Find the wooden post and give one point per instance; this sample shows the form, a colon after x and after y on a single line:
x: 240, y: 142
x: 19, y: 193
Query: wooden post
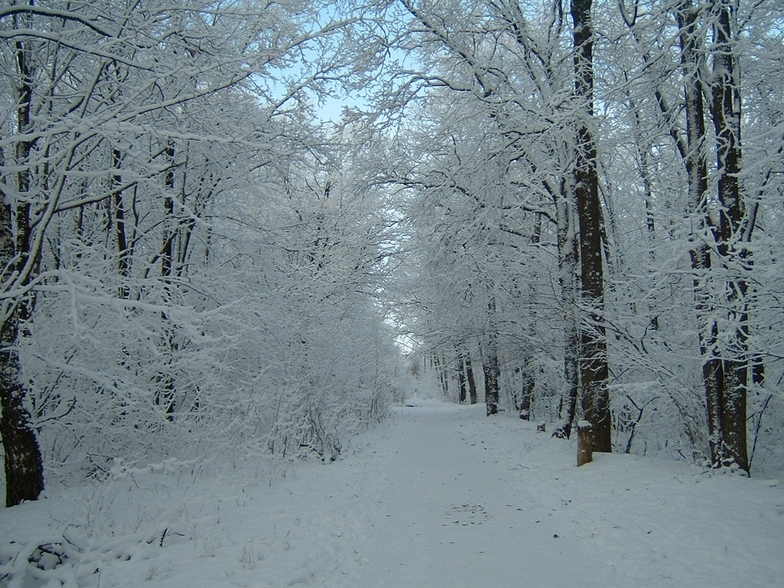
x: 584, y: 443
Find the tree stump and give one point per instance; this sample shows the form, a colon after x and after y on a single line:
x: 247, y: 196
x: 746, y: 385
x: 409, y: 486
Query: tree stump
x: 584, y: 443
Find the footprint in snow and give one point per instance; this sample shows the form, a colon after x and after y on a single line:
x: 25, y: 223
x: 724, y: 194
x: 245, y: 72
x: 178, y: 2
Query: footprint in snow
x: 467, y: 514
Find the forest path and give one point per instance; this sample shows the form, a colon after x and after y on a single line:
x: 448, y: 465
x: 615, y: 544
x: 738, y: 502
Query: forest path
x: 446, y: 497
x: 448, y: 509
x: 436, y: 496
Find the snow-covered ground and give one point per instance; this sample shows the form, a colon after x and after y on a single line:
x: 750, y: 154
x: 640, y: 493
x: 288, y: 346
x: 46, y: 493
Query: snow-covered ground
x: 436, y: 496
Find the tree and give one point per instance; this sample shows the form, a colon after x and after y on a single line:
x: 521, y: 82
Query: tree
x: 725, y: 365
x: 124, y: 126
x: 692, y: 117
x: 23, y: 462
x: 593, y: 344
x: 623, y: 241
x: 513, y: 73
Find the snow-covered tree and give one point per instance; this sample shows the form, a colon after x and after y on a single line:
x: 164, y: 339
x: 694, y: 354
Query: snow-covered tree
x: 137, y: 137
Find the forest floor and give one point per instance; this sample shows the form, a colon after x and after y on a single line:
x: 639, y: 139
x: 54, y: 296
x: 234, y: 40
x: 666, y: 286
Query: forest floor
x: 437, y: 495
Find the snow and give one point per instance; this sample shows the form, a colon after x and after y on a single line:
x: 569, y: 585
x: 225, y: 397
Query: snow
x: 437, y: 495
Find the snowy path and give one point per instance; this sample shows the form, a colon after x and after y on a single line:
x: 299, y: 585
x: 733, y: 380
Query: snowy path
x: 448, y: 515
x: 437, y: 496
x: 444, y: 497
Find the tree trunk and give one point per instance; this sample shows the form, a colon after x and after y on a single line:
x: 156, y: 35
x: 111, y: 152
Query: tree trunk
x: 725, y: 357
x: 165, y: 395
x: 24, y: 474
x: 568, y: 261
x: 593, y: 343
x: 438, y: 365
x: 731, y: 247
x: 697, y: 188
x: 471, y: 379
x: 490, y: 363
x: 461, y: 377
x: 23, y: 464
x: 490, y: 367
x: 527, y: 387
x: 24, y: 478
x: 124, y: 254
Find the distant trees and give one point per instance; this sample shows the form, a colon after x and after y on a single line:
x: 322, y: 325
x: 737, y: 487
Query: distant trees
x: 512, y: 74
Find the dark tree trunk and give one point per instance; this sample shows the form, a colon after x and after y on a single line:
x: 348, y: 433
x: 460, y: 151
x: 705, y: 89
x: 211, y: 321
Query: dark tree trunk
x: 461, y: 377
x: 725, y: 357
x: 490, y: 367
x: 22, y: 462
x: 593, y: 343
x: 24, y: 477
x: 572, y: 377
x: 165, y: 395
x: 490, y: 363
x: 124, y: 255
x: 527, y: 388
x: 471, y: 379
x: 731, y: 247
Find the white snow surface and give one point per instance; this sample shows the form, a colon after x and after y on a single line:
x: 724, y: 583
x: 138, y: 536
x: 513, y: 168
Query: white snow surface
x: 437, y: 495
